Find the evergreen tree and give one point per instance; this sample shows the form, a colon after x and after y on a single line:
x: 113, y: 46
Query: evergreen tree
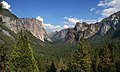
x: 21, y: 56
x: 81, y: 60
x: 61, y: 67
x: 118, y: 66
x: 97, y: 60
x: 3, y: 57
x: 105, y: 59
x: 0, y: 5
x: 62, y: 70
x: 52, y: 68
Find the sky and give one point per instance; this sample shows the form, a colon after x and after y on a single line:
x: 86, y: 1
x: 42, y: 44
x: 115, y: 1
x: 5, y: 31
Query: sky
x: 60, y: 14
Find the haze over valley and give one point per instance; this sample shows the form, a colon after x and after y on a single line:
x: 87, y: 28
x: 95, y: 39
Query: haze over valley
x: 60, y: 36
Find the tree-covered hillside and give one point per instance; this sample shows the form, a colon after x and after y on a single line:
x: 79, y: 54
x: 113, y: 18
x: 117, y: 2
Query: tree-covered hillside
x: 23, y: 52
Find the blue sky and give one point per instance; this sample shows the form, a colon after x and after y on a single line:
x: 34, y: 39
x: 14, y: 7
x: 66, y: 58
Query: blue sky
x: 60, y: 13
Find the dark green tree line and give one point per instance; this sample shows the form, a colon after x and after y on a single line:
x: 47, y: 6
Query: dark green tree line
x: 81, y: 59
x: 21, y: 56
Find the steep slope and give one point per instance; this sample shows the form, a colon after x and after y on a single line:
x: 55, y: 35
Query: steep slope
x: 59, y: 35
x: 13, y: 23
x: 71, y: 35
x: 35, y: 27
x: 7, y: 37
x: 110, y: 24
x: 10, y: 25
x: 106, y: 26
x: 10, y: 20
x: 42, y: 51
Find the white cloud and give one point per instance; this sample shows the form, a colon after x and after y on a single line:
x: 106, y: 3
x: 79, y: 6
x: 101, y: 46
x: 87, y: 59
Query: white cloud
x: 5, y: 5
x: 50, y: 27
x: 102, y: 3
x: 65, y: 26
x: 110, y: 7
x: 71, y: 20
x: 89, y: 21
x: 92, y: 9
x: 39, y: 18
x: 70, y: 23
x: 53, y: 28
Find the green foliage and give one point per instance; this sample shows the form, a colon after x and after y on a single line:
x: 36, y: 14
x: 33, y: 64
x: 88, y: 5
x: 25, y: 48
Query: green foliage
x: 21, y: 56
x: 116, y: 33
x: 105, y: 60
x: 3, y: 57
x: 0, y: 6
x: 97, y: 60
x: 52, y: 68
x: 46, y: 52
x: 118, y: 66
x: 105, y: 20
x: 61, y: 66
x: 81, y: 60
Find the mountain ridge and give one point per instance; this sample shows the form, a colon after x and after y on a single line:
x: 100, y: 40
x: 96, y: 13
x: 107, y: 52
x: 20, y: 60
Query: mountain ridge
x: 15, y: 24
x: 69, y: 35
x: 106, y: 26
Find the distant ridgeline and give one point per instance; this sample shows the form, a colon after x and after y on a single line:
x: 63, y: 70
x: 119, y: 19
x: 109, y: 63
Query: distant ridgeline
x: 108, y: 26
x: 26, y: 47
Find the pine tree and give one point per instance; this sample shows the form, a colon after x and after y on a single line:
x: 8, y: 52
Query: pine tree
x: 97, y: 60
x: 0, y: 5
x: 81, y: 60
x: 21, y: 56
x: 105, y: 59
x: 52, y: 68
x: 3, y: 57
x: 61, y: 67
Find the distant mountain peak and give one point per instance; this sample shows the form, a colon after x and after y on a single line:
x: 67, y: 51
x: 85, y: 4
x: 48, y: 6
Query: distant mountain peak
x: 31, y: 24
x: 107, y: 25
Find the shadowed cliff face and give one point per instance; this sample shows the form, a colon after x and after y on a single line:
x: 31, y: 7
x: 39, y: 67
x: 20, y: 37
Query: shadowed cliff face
x: 58, y: 35
x: 106, y: 26
x: 82, y: 30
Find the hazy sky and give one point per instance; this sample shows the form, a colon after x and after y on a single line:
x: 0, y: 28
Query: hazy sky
x: 59, y: 14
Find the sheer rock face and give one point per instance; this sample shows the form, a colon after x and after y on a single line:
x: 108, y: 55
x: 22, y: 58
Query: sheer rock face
x: 58, y: 35
x: 12, y: 22
x: 82, y: 30
x: 81, y: 26
x: 106, y: 26
x: 30, y: 24
x: 35, y: 27
x: 91, y: 30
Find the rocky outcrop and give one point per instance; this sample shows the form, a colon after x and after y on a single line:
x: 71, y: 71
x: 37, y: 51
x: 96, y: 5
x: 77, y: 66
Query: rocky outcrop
x: 10, y: 20
x: 35, y: 27
x: 59, y: 35
x: 106, y: 26
x: 91, y: 30
x: 6, y: 33
x: 30, y: 24
x: 81, y: 26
